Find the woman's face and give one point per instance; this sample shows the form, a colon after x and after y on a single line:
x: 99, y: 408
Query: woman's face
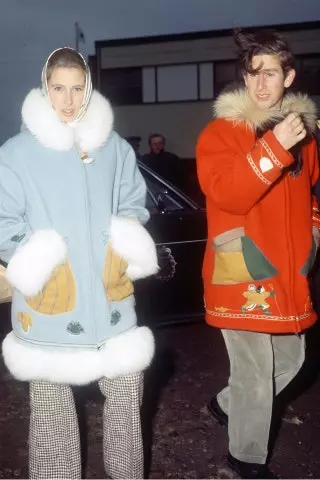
x: 66, y: 88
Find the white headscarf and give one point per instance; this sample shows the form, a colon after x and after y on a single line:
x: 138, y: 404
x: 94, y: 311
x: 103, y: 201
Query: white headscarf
x: 88, y: 84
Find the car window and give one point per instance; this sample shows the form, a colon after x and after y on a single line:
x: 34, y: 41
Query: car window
x: 151, y: 203
x: 183, y: 175
x: 160, y: 197
x: 169, y: 201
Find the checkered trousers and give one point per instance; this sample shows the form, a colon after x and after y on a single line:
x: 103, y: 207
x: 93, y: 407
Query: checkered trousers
x: 54, y: 444
x: 122, y: 439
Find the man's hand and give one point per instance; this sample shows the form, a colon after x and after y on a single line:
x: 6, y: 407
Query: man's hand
x: 290, y: 131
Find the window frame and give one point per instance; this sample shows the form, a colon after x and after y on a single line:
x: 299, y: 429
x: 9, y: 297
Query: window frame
x: 216, y: 87
x: 302, y: 85
x: 115, y: 101
x: 156, y: 67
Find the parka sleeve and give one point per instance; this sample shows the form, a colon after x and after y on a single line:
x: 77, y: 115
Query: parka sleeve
x: 234, y: 180
x: 313, y: 150
x: 14, y: 228
x: 133, y: 190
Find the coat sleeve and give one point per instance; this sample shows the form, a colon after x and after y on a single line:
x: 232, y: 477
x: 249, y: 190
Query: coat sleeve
x: 129, y: 239
x: 133, y: 190
x: 313, y: 149
x: 234, y: 180
x: 14, y: 227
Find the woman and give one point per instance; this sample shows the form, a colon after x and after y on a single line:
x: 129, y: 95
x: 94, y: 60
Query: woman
x: 72, y: 201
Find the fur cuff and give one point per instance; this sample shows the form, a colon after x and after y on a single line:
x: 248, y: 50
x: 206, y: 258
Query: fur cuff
x: 130, y: 240
x: 128, y: 353
x: 33, y: 264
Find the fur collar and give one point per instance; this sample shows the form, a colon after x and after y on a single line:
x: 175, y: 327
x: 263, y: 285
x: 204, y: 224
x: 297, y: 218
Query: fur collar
x: 89, y: 134
x: 236, y: 106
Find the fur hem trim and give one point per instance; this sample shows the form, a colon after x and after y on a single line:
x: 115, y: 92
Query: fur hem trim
x: 130, y: 240
x: 32, y: 265
x: 128, y: 353
x: 237, y: 107
x: 89, y: 134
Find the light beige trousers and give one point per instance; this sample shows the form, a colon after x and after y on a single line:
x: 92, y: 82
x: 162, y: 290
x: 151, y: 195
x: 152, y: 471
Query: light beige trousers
x: 261, y: 366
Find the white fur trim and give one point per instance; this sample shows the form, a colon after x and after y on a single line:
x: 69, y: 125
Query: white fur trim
x: 96, y: 126
x: 125, y: 354
x: 33, y: 264
x: 89, y: 134
x: 42, y: 121
x: 130, y: 240
x: 237, y: 106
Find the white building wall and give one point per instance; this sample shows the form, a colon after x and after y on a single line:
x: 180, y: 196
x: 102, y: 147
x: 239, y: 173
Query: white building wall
x: 180, y: 123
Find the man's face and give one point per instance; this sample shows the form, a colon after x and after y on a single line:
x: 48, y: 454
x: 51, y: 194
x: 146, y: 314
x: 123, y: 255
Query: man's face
x: 266, y: 86
x: 157, y: 144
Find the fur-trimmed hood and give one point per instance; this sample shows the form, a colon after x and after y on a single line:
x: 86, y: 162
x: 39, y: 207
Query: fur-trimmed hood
x: 235, y: 105
x: 89, y: 134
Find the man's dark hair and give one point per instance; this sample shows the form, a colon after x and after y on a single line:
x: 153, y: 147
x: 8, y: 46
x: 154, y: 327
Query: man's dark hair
x: 262, y: 42
x: 153, y: 135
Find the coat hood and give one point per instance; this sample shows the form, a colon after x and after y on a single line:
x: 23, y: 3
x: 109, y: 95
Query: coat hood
x: 88, y: 134
x: 236, y: 106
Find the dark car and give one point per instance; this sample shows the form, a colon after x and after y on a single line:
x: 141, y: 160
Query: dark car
x: 178, y: 226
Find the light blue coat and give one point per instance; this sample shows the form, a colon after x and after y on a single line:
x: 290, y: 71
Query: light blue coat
x: 56, y: 211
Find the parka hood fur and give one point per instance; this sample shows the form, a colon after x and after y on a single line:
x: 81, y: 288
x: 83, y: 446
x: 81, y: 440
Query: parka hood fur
x: 235, y: 105
x: 89, y: 134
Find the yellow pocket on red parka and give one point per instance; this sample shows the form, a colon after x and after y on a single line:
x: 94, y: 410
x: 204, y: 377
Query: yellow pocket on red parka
x: 237, y: 259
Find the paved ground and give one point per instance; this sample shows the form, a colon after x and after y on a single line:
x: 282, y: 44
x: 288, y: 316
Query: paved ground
x: 182, y: 441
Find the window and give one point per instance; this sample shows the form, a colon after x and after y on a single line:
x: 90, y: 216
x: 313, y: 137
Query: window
x: 177, y: 83
x: 163, y: 201
x: 149, y: 84
x: 224, y: 73
x: 123, y: 86
x: 151, y: 203
x: 206, y: 81
x: 162, y: 198
x: 308, y: 74
x: 157, y: 84
x: 92, y: 62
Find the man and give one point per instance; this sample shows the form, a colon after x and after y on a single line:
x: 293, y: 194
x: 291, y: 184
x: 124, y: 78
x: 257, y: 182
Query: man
x: 158, y: 158
x: 165, y: 163
x: 257, y: 162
